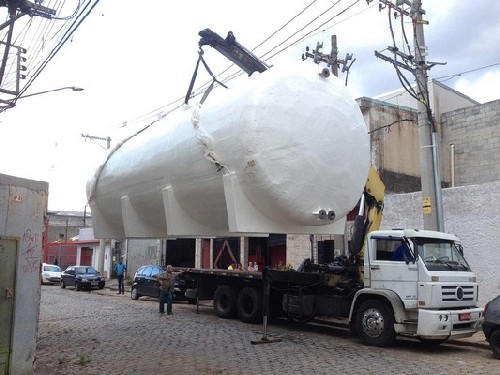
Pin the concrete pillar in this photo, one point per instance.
(197, 253)
(211, 253)
(100, 256)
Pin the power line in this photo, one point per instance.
(40, 38)
(200, 90)
(447, 78)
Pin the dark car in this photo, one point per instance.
(147, 284)
(82, 277)
(491, 325)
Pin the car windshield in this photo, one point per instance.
(441, 255)
(52, 268)
(83, 270)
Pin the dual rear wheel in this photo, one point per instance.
(245, 303)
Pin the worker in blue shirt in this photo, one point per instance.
(402, 253)
(121, 270)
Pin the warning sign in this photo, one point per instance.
(426, 205)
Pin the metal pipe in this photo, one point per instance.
(452, 164)
(437, 184)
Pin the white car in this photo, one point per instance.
(51, 274)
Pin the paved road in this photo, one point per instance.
(103, 333)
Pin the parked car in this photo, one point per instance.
(51, 273)
(146, 284)
(491, 325)
(82, 277)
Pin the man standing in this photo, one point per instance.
(166, 280)
(121, 269)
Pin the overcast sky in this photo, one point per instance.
(133, 58)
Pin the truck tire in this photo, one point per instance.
(249, 305)
(225, 301)
(495, 343)
(375, 323)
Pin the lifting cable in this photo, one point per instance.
(195, 74)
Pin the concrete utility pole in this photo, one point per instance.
(334, 56)
(331, 59)
(93, 137)
(432, 204)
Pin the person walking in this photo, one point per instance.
(166, 280)
(121, 270)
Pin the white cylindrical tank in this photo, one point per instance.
(286, 151)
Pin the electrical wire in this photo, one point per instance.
(68, 33)
(40, 37)
(300, 38)
(447, 78)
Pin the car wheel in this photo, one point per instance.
(495, 343)
(78, 286)
(249, 305)
(63, 285)
(134, 294)
(225, 301)
(375, 324)
(191, 301)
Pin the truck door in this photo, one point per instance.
(391, 266)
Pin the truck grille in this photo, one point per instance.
(453, 293)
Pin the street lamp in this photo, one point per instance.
(12, 103)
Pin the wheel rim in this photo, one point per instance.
(373, 322)
(224, 302)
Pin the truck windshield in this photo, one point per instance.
(441, 255)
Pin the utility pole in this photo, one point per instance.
(331, 59)
(432, 204)
(334, 56)
(93, 137)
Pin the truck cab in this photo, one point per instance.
(424, 282)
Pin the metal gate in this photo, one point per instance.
(8, 257)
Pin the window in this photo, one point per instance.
(393, 249)
(156, 271)
(386, 247)
(147, 272)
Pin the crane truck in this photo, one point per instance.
(426, 290)
(286, 151)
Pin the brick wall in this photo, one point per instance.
(298, 247)
(475, 132)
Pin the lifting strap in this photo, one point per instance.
(195, 74)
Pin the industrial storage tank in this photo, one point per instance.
(285, 151)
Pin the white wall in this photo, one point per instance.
(23, 205)
(473, 214)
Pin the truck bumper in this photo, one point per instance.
(449, 324)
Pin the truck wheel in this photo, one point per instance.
(225, 301)
(249, 305)
(495, 343)
(375, 324)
